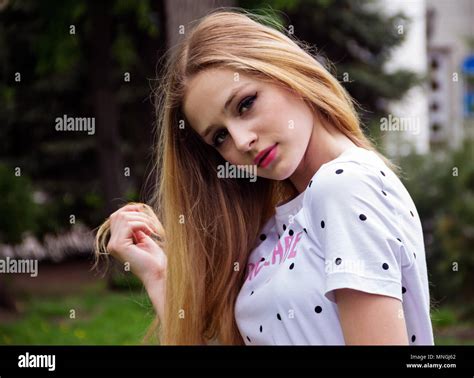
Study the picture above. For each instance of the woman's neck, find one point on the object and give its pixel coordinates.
(326, 143)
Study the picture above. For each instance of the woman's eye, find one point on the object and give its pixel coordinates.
(246, 103)
(215, 141)
(219, 136)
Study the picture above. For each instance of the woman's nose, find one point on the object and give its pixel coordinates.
(243, 139)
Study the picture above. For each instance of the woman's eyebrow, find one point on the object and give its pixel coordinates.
(227, 103)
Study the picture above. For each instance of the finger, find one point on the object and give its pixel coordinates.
(141, 237)
(154, 220)
(135, 207)
(143, 210)
(144, 238)
(148, 211)
(136, 237)
(151, 244)
(130, 207)
(125, 229)
(138, 225)
(144, 218)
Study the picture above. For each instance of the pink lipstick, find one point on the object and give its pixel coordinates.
(267, 156)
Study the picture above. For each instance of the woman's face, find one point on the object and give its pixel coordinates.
(247, 116)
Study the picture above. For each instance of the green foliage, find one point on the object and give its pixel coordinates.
(101, 318)
(121, 318)
(358, 37)
(17, 208)
(7, 95)
(57, 79)
(443, 317)
(125, 281)
(20, 213)
(123, 50)
(142, 11)
(445, 202)
(56, 48)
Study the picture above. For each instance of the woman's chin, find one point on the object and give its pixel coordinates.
(278, 173)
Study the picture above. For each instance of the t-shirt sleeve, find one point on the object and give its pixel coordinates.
(356, 226)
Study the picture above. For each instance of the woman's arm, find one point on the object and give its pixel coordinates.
(370, 319)
(156, 290)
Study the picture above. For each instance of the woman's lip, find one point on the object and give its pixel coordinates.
(259, 157)
(269, 157)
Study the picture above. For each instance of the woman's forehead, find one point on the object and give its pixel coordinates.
(209, 91)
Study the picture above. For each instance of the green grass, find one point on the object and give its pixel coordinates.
(104, 317)
(449, 329)
(446, 340)
(101, 318)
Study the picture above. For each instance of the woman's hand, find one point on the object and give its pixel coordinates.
(130, 242)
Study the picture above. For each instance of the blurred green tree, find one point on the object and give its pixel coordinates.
(442, 186)
(79, 59)
(353, 39)
(82, 59)
(17, 208)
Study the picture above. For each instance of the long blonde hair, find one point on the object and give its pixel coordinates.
(212, 223)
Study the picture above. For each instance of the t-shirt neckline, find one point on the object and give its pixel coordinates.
(297, 202)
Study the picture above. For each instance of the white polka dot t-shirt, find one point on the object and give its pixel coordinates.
(355, 226)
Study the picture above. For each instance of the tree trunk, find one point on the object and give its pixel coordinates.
(106, 110)
(181, 12)
(105, 105)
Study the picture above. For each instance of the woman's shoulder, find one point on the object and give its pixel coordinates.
(352, 172)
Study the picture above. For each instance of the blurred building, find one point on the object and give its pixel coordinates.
(439, 45)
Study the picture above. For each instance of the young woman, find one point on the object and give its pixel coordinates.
(324, 248)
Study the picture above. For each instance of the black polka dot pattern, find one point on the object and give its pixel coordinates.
(363, 214)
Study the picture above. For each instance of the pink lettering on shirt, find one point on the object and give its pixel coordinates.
(278, 253)
(257, 268)
(288, 240)
(250, 267)
(292, 253)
